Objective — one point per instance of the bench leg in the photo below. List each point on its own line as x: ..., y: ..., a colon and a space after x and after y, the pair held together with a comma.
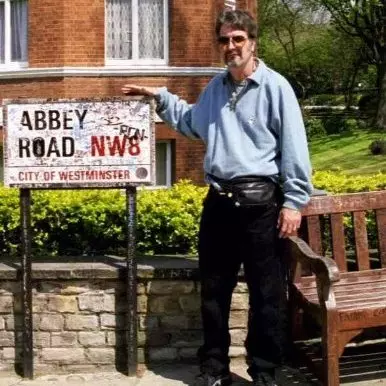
x: 330, y: 344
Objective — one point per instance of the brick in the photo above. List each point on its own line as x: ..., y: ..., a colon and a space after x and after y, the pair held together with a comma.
x: 64, y: 339
x: 6, y: 303
x: 81, y: 322
x: 92, y: 339
x: 63, y: 355
x: 51, y: 322
x: 100, y: 355
x: 162, y: 287
x: 112, y: 321
x: 163, y: 354
x: 63, y: 304
x: 97, y: 303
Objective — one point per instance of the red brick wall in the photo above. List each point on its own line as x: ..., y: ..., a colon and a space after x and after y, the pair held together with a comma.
x: 72, y: 33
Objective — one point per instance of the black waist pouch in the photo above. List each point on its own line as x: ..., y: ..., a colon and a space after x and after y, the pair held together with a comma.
x: 249, y: 191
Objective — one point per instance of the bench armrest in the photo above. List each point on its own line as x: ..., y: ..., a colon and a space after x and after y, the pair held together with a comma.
x: 325, y: 269
x: 321, y: 266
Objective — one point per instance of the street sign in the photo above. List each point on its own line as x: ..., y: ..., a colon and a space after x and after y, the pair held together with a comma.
x: 79, y: 143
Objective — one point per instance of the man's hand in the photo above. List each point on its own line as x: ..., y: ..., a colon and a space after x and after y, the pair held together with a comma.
x: 139, y: 90
x: 288, y: 222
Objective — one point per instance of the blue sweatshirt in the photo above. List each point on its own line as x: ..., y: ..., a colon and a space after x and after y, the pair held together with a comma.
x: 262, y: 135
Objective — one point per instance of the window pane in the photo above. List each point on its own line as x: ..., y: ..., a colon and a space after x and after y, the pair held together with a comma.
x: 19, y: 28
x: 2, y: 28
x: 150, y: 29
x: 119, y: 33
x: 161, y: 162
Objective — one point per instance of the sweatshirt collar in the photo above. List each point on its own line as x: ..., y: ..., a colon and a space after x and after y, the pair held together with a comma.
x: 256, y: 76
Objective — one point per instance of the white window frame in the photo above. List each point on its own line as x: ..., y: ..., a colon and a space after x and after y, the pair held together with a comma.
x: 7, y: 40
x: 168, y: 162
x: 135, y: 61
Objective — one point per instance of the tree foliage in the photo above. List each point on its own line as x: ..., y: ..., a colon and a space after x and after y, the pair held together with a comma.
x: 298, y: 40
x: 365, y: 20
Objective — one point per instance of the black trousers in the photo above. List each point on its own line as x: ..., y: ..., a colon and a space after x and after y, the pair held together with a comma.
x: 230, y: 236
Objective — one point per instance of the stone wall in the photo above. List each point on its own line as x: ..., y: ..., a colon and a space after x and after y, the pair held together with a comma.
x: 79, y: 314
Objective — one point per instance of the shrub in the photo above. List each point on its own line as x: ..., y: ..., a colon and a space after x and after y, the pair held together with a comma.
x: 68, y: 222
x: 314, y: 128
x: 334, y: 124
x: 378, y: 147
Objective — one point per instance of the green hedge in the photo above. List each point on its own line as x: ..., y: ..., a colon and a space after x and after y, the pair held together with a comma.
x: 93, y: 221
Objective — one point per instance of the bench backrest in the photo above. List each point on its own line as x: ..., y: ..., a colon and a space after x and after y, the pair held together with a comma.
x: 339, y: 226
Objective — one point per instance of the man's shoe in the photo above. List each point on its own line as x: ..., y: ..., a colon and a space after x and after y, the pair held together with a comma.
x: 205, y: 379
x: 264, y: 379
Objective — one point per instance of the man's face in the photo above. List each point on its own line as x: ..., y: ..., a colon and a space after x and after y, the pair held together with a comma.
x: 237, y: 48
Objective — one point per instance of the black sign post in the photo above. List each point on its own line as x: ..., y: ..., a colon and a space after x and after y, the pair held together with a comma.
x: 131, y: 265
x: 26, y: 271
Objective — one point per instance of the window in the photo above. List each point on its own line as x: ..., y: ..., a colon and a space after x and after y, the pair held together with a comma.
x: 163, y: 159
x: 136, y: 31
x: 13, y: 32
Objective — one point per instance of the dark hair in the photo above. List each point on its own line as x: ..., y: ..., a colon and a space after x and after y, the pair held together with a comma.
x: 242, y: 20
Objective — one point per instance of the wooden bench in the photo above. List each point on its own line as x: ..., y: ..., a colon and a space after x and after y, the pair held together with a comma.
x: 344, y: 293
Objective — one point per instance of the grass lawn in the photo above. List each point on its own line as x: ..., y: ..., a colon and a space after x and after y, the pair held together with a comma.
x: 348, y: 153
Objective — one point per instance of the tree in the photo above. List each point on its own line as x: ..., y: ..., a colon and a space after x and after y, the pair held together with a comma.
x: 297, y: 39
x: 366, y: 20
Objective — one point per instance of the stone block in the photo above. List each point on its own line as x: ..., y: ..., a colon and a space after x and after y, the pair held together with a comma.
x: 154, y: 338
x: 240, y: 301
x: 64, y: 339
x: 187, y: 338
x: 238, y: 336
x: 142, y: 303
x: 190, y: 303
x: 167, y: 287
x: 195, y: 322
x: 238, y: 319
x: 41, y: 339
x: 163, y: 354
x: 51, y: 322
x: 81, y: 322
x: 100, y: 355
x: 109, y: 321
x: 168, y: 305
x: 187, y: 353
x: 236, y: 352
x: 39, y: 303
x: 116, y: 338
x: 63, y: 355
x: 92, y: 339
x: 141, y: 289
x: 9, y: 354
x: 97, y: 303
x: 62, y: 303
x: 6, y: 304
x: 174, y: 322
x: 2, y: 323
x: 7, y: 338
x: 241, y: 288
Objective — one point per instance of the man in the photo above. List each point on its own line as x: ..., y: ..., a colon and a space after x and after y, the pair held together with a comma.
x: 257, y: 165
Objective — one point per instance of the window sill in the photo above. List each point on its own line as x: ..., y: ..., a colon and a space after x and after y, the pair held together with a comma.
x: 18, y: 73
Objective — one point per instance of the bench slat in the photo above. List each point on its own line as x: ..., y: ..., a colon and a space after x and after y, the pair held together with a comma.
x: 314, y: 235
x: 338, y: 241
x: 361, y: 241
x: 346, y: 203
x: 369, y: 276
x: 349, y: 288
x: 381, y: 224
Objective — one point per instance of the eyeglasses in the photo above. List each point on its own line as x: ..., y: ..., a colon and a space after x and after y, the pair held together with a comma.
x: 237, y: 40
